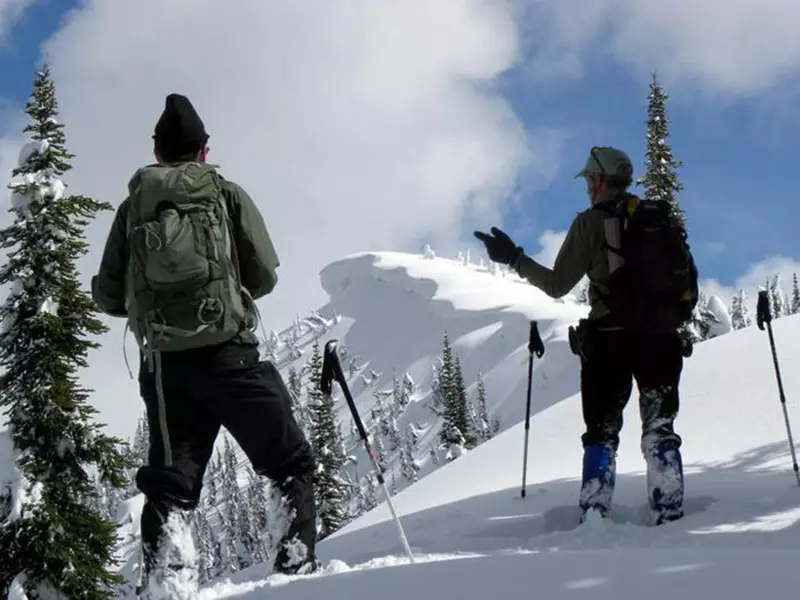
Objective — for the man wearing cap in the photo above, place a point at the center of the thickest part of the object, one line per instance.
(611, 357)
(220, 380)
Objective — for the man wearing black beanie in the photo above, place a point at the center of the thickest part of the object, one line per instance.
(186, 258)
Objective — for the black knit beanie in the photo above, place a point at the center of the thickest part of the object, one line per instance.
(179, 129)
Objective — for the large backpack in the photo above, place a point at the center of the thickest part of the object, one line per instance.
(653, 285)
(183, 288)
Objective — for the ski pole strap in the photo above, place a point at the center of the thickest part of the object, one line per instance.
(535, 344)
(763, 314)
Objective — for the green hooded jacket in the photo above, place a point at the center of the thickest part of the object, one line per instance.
(257, 256)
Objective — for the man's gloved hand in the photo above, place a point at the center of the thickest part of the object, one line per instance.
(500, 247)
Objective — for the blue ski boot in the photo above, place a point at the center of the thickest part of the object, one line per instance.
(599, 476)
(665, 482)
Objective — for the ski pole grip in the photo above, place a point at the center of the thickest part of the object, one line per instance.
(535, 344)
(763, 314)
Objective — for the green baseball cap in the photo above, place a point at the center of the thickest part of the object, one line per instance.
(605, 160)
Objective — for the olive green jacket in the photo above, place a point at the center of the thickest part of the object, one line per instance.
(258, 260)
(582, 253)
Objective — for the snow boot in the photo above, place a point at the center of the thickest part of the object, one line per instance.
(171, 573)
(665, 482)
(599, 476)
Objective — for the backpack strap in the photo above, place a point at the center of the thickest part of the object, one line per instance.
(237, 265)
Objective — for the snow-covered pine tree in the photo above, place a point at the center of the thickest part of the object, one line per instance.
(461, 407)
(228, 559)
(211, 483)
(400, 392)
(408, 465)
(795, 307)
(660, 179)
(443, 376)
(204, 543)
(137, 455)
(260, 500)
(326, 444)
(485, 428)
(778, 300)
(295, 386)
(738, 307)
(55, 544)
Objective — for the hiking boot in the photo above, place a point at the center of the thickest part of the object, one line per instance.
(599, 477)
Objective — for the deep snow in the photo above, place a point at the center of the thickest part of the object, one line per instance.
(472, 534)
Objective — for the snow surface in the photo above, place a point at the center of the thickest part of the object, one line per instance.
(472, 534)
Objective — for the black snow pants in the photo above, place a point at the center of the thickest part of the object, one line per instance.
(205, 389)
(615, 359)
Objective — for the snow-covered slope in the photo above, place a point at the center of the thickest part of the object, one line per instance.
(471, 532)
(740, 538)
(395, 309)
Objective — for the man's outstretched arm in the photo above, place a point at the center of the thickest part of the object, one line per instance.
(571, 264)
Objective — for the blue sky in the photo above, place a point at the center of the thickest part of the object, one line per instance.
(738, 154)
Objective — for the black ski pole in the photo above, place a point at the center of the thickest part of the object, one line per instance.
(535, 346)
(332, 370)
(764, 317)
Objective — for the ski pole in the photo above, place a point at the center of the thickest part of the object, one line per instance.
(764, 316)
(535, 346)
(332, 369)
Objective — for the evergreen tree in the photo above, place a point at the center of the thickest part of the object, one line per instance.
(778, 300)
(326, 443)
(738, 310)
(260, 501)
(461, 408)
(408, 466)
(204, 543)
(660, 179)
(485, 428)
(795, 309)
(443, 393)
(137, 456)
(56, 544)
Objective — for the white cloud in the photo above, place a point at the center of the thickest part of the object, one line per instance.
(10, 12)
(550, 242)
(737, 46)
(755, 278)
(354, 125)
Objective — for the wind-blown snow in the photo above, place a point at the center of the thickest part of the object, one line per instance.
(472, 534)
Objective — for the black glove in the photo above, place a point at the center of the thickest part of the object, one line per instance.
(500, 247)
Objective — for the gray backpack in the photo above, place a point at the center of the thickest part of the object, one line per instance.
(183, 287)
